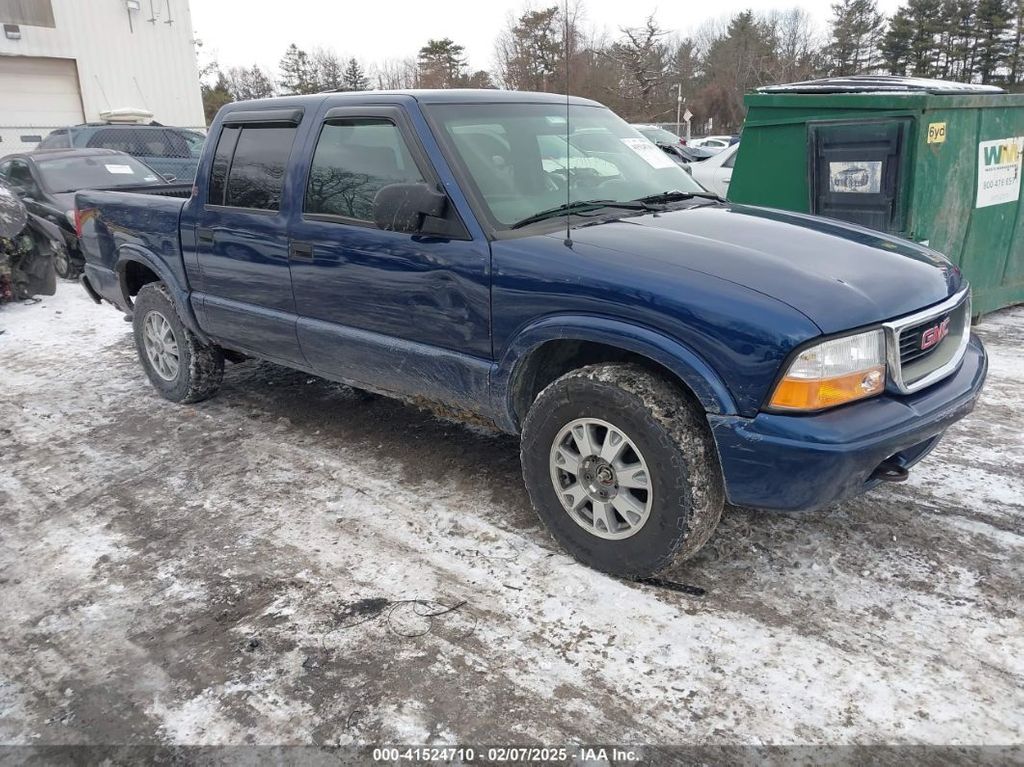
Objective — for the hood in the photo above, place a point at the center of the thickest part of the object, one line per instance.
(65, 200)
(839, 275)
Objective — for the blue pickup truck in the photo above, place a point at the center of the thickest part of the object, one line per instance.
(540, 265)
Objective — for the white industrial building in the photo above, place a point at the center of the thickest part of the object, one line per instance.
(65, 62)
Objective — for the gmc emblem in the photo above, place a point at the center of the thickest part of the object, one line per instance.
(934, 334)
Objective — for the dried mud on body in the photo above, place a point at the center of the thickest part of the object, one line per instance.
(296, 562)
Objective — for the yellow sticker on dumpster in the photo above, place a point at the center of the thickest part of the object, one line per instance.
(936, 133)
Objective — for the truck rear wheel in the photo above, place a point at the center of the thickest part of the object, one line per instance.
(622, 469)
(178, 364)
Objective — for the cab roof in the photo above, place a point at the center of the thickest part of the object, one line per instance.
(423, 96)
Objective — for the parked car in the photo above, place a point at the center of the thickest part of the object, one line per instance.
(172, 152)
(714, 143)
(659, 135)
(658, 350)
(715, 173)
(673, 146)
(47, 181)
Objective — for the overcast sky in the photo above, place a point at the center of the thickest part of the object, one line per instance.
(242, 32)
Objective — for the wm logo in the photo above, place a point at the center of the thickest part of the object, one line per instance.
(1002, 154)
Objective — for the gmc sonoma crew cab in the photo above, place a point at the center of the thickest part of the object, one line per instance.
(659, 350)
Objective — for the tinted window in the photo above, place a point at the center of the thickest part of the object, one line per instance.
(140, 142)
(730, 160)
(56, 140)
(352, 161)
(257, 168)
(221, 163)
(70, 174)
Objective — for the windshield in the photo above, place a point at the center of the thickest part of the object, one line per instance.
(659, 135)
(107, 171)
(517, 158)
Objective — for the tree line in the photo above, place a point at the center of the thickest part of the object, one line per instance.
(642, 71)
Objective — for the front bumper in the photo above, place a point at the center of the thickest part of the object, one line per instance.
(795, 462)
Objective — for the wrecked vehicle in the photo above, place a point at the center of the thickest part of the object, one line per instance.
(28, 247)
(659, 350)
(46, 181)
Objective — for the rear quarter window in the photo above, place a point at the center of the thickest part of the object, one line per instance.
(249, 167)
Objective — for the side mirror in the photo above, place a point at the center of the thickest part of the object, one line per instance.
(404, 207)
(169, 179)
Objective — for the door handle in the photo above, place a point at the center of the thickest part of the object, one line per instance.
(300, 250)
(205, 235)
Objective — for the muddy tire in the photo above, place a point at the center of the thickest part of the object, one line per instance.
(622, 469)
(178, 364)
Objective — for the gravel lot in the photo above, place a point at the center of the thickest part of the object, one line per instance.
(238, 572)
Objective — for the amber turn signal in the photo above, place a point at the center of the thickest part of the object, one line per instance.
(802, 394)
(832, 373)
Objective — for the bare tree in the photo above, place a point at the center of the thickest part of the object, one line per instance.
(643, 59)
(249, 83)
(395, 74)
(327, 70)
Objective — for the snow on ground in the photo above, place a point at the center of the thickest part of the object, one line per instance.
(240, 572)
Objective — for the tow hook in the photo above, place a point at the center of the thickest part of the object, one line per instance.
(890, 471)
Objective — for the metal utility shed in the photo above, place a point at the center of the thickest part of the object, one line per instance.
(932, 161)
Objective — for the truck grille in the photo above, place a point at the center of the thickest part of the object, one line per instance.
(912, 344)
(928, 346)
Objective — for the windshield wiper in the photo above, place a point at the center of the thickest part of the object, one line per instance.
(675, 195)
(581, 206)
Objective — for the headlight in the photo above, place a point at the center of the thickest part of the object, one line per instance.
(833, 372)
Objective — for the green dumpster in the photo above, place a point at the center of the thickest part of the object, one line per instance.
(932, 161)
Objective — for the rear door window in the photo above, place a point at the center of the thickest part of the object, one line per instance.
(256, 174)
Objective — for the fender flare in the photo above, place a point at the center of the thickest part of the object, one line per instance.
(128, 253)
(682, 361)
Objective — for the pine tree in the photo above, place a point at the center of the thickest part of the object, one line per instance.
(530, 52)
(354, 78)
(896, 43)
(925, 45)
(1015, 54)
(296, 71)
(993, 44)
(442, 64)
(215, 96)
(960, 42)
(857, 29)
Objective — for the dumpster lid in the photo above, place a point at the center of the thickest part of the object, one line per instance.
(879, 84)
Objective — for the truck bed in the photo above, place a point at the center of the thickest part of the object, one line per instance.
(144, 222)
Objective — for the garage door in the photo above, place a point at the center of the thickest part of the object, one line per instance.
(39, 94)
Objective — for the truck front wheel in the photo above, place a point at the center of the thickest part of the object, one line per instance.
(178, 364)
(622, 469)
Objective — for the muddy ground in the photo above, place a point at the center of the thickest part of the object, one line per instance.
(292, 562)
